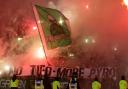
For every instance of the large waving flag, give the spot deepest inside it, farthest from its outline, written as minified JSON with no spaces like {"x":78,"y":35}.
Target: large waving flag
{"x":55,"y":27}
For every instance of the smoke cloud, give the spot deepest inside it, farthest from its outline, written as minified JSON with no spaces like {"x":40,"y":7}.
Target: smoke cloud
{"x":104,"y":22}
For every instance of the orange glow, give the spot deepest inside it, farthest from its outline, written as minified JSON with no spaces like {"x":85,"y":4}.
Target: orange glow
{"x":125,"y":2}
{"x":40,"y":53}
{"x":87,"y":6}
{"x":7,"y":67}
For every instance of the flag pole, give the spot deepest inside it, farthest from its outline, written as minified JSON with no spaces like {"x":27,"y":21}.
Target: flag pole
{"x":39,"y":27}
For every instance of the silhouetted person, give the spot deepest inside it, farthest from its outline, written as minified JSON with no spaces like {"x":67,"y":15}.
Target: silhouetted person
{"x":46,"y":82}
{"x":123,"y":83}
{"x":14,"y":83}
{"x":74,"y":83}
{"x":39,"y":82}
{"x":56,"y":84}
{"x":96,"y":84}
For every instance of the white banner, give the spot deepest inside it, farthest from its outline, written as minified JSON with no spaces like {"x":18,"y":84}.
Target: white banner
{"x":101,"y":72}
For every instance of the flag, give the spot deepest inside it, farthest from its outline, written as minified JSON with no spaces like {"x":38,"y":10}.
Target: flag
{"x":55,"y":27}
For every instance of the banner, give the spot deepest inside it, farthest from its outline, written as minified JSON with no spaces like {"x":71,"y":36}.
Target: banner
{"x":4,"y":84}
{"x":35,"y":70}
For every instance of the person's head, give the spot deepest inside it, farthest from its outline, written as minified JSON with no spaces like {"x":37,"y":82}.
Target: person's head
{"x":74,"y":75}
{"x":45,"y":75}
{"x":57,"y":78}
{"x":39,"y":77}
{"x":122,"y":77}
{"x":73,"y":80}
{"x":96,"y":79}
{"x":14,"y":77}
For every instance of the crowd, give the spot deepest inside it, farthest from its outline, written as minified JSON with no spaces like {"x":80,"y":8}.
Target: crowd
{"x":45,"y":83}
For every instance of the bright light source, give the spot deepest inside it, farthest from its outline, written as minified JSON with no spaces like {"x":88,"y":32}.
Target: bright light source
{"x":61,"y":21}
{"x":39,"y":21}
{"x":125,"y":2}
{"x":19,"y":38}
{"x":71,"y":54}
{"x":0,"y":72}
{"x":86,"y":40}
{"x":40,"y":53}
{"x":34,"y":27}
{"x":87,"y":6}
{"x":7,"y":67}
{"x":115,"y":49}
{"x":89,"y":40}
